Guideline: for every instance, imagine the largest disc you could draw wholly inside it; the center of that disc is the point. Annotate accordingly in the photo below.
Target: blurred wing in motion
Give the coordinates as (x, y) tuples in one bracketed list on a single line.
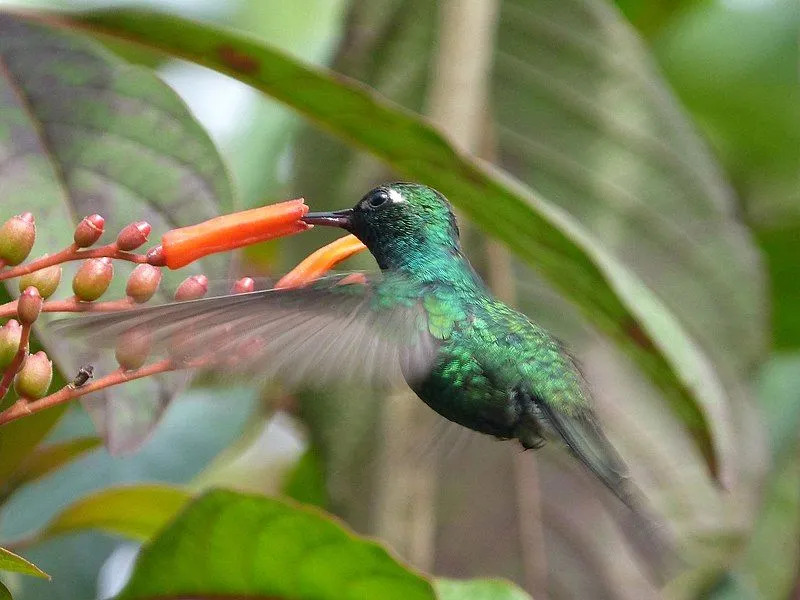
[(329, 332)]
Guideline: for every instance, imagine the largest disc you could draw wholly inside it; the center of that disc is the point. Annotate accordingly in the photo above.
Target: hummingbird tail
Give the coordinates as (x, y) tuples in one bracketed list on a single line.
[(648, 536)]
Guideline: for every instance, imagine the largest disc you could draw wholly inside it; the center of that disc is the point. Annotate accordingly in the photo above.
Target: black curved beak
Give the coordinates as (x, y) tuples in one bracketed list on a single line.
[(337, 218)]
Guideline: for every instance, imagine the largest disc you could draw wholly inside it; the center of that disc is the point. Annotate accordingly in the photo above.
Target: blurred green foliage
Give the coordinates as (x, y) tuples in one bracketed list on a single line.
[(679, 150)]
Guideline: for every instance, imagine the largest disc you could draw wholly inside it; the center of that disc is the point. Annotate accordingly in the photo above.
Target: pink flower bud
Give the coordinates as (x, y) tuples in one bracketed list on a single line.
[(192, 288), (29, 305), (243, 285), (33, 380), (143, 283), (89, 231), (17, 236), (10, 338), (132, 348), (45, 280), (134, 235), (93, 278)]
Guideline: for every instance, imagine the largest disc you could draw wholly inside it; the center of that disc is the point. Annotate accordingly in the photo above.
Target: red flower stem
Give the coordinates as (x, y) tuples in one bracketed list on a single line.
[(68, 393), (19, 357), (73, 253), (9, 309)]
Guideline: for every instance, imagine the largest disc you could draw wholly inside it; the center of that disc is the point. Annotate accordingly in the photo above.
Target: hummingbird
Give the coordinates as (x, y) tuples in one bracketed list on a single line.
[(427, 319)]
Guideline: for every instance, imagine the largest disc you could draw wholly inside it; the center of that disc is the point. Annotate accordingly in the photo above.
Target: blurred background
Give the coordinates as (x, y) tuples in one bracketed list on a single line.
[(671, 130)]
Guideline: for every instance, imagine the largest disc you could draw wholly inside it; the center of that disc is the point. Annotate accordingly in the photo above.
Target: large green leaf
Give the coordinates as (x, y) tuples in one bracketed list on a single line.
[(13, 562), (88, 133), (229, 544), (538, 231)]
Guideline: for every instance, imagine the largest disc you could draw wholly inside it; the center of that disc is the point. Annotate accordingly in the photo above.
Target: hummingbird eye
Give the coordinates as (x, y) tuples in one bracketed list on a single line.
[(377, 199)]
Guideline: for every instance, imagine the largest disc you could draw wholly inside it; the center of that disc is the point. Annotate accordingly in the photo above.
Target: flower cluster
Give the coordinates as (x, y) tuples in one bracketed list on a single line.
[(31, 374)]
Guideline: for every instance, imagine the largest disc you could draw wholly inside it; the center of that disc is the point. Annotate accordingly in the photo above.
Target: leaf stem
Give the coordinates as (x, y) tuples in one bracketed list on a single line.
[(23, 408), (16, 363), (69, 253), (9, 309)]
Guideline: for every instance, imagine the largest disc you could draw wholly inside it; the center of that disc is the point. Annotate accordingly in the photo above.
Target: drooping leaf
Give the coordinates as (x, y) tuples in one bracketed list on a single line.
[(13, 562), (46, 459), (136, 511), (229, 544), (88, 133), (535, 229), (478, 589)]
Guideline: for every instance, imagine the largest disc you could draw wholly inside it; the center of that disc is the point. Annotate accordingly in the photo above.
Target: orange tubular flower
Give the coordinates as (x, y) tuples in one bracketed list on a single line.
[(187, 244), (315, 265)]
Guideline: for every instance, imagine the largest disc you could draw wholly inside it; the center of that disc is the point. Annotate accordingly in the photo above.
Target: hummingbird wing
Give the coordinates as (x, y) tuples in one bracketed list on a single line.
[(329, 332)]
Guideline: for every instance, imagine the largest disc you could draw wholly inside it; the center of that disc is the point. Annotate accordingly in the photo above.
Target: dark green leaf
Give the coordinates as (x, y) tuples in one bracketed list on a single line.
[(542, 234), (4, 593), (13, 562), (89, 133), (230, 544)]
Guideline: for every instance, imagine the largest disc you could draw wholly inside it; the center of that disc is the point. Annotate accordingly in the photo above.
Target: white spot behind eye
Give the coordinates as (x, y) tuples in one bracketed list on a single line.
[(395, 196)]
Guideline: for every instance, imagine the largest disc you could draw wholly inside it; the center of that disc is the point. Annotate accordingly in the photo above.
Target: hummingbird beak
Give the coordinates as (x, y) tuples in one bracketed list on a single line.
[(338, 218)]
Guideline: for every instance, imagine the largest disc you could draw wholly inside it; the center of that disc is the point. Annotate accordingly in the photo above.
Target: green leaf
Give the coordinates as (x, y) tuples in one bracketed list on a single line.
[(13, 562), (305, 483), (230, 544), (89, 133), (44, 460), (539, 232), (4, 593), (136, 511), (478, 589)]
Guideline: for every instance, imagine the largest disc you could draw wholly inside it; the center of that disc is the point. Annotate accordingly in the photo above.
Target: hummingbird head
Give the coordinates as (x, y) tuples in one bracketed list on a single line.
[(401, 224)]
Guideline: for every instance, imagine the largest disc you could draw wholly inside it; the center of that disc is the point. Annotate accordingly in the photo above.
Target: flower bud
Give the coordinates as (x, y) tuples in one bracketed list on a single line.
[(192, 288), (243, 285), (134, 235), (45, 280), (29, 305), (143, 283), (155, 256), (10, 338), (89, 231), (93, 278), (33, 380), (16, 238), (132, 348)]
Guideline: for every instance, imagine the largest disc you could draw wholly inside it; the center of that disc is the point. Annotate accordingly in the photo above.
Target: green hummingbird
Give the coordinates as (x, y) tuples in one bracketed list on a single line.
[(428, 318)]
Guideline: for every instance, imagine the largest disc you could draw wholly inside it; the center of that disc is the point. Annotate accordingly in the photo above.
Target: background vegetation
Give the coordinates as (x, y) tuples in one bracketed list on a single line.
[(636, 167)]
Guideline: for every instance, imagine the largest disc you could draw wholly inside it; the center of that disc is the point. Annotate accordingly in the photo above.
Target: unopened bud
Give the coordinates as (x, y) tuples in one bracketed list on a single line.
[(93, 278), (143, 283), (243, 285), (45, 280), (10, 338), (132, 348), (134, 235), (192, 288), (29, 305), (89, 231), (17, 236), (33, 380), (155, 256)]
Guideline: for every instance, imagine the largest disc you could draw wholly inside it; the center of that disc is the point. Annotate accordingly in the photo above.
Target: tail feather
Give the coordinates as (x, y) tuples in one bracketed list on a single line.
[(641, 527)]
